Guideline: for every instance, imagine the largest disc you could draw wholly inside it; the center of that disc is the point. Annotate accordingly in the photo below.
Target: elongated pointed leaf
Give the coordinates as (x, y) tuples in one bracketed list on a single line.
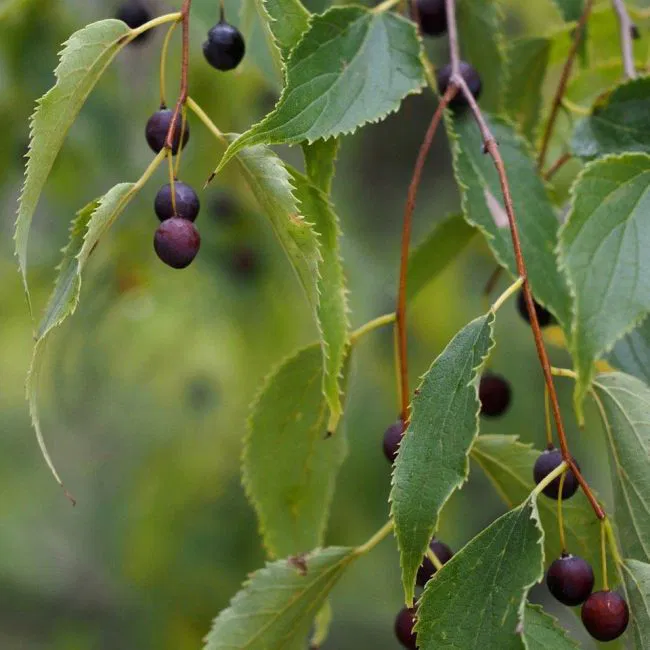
[(476, 601), (276, 607), (351, 67), (624, 403), (433, 457), (508, 464), (438, 249), (631, 354), (637, 584), (619, 122), (84, 58), (483, 207), (542, 632), (290, 464), (287, 20), (320, 157), (605, 251)]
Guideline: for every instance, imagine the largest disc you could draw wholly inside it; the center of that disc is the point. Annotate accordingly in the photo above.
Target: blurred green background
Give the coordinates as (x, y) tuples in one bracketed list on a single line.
[(147, 386)]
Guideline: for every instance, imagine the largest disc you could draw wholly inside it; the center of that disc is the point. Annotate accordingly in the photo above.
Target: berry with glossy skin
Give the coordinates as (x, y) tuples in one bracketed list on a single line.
[(547, 461), (494, 394), (431, 16), (605, 614), (570, 579), (544, 316), (187, 202), (158, 126), (392, 438), (135, 14), (471, 77), (225, 47), (404, 628), (177, 242), (426, 570)]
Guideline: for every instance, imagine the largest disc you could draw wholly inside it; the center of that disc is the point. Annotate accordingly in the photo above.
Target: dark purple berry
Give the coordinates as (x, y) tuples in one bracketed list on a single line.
[(187, 202), (494, 394), (225, 47), (430, 15), (570, 579), (544, 316), (426, 570), (392, 438), (158, 126), (135, 14), (471, 77), (404, 628), (547, 461), (177, 242), (605, 615)]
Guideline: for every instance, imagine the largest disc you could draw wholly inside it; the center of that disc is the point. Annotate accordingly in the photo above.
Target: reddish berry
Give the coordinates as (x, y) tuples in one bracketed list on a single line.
[(494, 394), (177, 242), (547, 461), (605, 614), (392, 438), (158, 126), (544, 317), (404, 628), (187, 202), (570, 579), (431, 16), (426, 570), (471, 77)]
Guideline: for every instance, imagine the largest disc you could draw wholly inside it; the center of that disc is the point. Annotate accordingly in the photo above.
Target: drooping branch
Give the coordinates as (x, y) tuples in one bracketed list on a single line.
[(626, 27), (491, 147)]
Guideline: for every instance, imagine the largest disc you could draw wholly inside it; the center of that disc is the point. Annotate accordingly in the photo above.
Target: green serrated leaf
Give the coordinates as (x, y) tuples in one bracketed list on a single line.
[(287, 21), (528, 62), (619, 123), (276, 607), (351, 67), (476, 601), (637, 584), (483, 207), (508, 464), (289, 462), (542, 632), (480, 32), (605, 254), (320, 157), (331, 307), (84, 58), (433, 457), (631, 354), (440, 247), (624, 403)]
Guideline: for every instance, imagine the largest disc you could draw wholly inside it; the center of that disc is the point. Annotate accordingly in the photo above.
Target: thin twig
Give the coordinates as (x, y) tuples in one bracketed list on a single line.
[(557, 165), (626, 27), (564, 79), (406, 238), (185, 66), (491, 147)]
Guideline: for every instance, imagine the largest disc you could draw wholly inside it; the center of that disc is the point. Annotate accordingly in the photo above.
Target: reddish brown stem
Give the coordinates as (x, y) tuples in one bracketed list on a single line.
[(557, 165), (185, 66), (406, 238), (491, 147), (564, 79)]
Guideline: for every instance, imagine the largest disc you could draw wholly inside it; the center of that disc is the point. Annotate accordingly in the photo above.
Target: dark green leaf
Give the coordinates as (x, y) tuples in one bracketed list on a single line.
[(637, 584), (320, 157), (440, 247), (276, 607), (287, 21), (542, 632), (570, 9), (631, 354), (433, 457)]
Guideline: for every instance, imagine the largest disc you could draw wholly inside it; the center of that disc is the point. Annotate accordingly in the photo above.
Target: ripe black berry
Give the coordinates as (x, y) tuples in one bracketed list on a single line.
[(187, 202), (426, 570), (471, 77), (158, 126), (570, 579), (404, 628), (392, 437), (225, 47), (494, 394), (605, 615), (547, 461), (544, 316), (135, 14), (177, 242), (431, 16)]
